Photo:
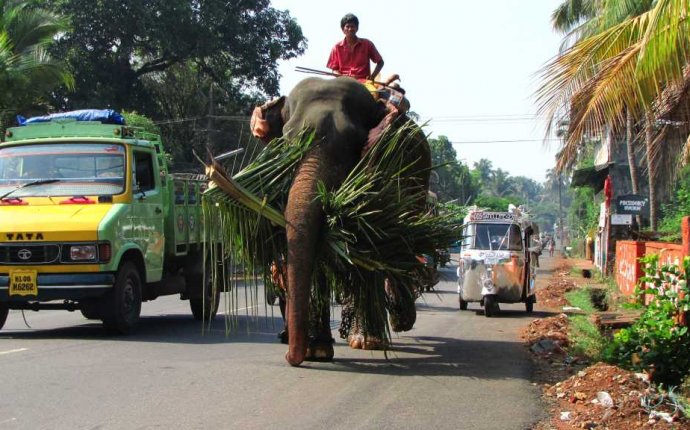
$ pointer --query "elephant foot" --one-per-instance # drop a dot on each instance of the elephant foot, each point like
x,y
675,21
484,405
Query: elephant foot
x,y
320,352
360,341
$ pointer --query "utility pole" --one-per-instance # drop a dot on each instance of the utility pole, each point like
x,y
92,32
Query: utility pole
x,y
560,211
209,119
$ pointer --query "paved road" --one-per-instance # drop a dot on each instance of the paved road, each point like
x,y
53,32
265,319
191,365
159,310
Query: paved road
x,y
454,370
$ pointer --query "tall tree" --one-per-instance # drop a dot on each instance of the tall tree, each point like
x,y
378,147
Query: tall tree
x,y
483,172
454,179
27,72
635,50
528,190
501,184
112,45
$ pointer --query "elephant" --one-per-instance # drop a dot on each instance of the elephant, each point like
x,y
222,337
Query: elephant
x,y
341,113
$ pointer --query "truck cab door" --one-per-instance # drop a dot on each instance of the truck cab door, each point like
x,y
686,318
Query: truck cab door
x,y
148,212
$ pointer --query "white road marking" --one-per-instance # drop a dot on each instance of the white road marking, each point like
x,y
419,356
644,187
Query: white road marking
x,y
12,351
234,311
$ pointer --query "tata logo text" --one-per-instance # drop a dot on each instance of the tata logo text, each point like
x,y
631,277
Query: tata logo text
x,y
23,236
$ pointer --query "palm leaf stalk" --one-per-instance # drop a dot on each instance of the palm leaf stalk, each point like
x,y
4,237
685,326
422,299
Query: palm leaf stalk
x,y
376,225
244,216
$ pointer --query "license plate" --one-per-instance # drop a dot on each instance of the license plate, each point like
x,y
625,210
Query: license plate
x,y
23,283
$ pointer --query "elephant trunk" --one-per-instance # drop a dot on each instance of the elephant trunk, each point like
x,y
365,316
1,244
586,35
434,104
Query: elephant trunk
x,y
304,218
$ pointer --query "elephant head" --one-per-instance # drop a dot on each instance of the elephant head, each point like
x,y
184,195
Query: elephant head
x,y
340,112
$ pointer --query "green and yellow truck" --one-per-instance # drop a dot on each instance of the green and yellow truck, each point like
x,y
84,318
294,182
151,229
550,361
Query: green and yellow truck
x,y
92,220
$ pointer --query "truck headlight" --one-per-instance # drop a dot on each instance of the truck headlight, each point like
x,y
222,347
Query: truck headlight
x,y
83,253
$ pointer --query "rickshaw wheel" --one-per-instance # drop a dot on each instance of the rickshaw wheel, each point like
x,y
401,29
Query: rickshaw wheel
x,y
490,306
529,305
463,305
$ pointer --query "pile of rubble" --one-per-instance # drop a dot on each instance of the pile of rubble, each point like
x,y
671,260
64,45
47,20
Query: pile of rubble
x,y
553,295
605,396
547,335
600,396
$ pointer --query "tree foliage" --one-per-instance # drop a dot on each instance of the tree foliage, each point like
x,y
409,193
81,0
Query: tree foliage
x,y
27,72
451,179
632,52
112,45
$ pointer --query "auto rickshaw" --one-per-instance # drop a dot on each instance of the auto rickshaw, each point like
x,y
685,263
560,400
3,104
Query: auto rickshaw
x,y
498,260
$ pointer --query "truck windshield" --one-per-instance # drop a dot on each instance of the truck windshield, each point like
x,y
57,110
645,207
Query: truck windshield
x,y
497,237
78,169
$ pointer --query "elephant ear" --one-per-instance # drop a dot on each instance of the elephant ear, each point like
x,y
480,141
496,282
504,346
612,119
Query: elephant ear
x,y
266,121
258,124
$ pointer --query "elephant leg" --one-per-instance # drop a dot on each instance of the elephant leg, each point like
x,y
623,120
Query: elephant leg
x,y
359,339
402,313
321,341
283,335
361,336
279,276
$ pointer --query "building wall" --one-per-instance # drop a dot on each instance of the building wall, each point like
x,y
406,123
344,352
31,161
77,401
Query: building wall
x,y
628,267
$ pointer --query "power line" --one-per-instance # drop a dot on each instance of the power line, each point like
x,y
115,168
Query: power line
x,y
470,142
489,119
241,118
454,118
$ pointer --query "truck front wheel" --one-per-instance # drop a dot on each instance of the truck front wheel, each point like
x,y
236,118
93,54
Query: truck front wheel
x,y
90,310
122,305
4,310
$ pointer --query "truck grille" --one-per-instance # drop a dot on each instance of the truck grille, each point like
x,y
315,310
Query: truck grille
x,y
29,254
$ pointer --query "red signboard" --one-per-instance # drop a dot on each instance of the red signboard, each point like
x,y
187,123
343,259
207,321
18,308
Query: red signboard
x,y
628,269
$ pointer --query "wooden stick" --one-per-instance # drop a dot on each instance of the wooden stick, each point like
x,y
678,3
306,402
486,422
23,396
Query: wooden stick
x,y
325,73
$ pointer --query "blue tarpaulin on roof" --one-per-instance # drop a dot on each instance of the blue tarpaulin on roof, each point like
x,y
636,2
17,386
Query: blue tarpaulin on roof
x,y
106,116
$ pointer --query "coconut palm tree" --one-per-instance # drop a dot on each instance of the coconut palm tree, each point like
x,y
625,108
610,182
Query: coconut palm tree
x,y
27,72
622,69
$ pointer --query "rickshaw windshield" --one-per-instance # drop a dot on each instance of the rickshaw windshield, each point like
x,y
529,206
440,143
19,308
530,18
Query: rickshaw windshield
x,y
497,237
65,169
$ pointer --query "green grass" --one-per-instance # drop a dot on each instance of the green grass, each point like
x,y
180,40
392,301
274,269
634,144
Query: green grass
x,y
586,340
580,298
575,271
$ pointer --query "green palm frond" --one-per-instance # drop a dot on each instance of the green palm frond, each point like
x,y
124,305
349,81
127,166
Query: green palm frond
x,y
376,225
27,72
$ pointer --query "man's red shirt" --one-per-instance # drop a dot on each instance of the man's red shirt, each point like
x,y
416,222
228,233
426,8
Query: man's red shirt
x,y
353,62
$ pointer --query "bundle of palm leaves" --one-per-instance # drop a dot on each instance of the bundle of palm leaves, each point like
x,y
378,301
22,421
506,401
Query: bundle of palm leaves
x,y
376,226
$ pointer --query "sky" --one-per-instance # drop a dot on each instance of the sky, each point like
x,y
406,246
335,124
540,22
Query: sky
x,y
470,68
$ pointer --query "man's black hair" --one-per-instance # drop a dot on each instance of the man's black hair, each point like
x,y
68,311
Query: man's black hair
x,y
349,19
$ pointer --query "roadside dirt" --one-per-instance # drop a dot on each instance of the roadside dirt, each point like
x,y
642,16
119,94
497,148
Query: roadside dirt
x,y
581,394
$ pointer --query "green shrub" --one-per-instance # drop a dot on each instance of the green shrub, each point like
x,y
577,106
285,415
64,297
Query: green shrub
x,y
659,341
493,203
135,119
